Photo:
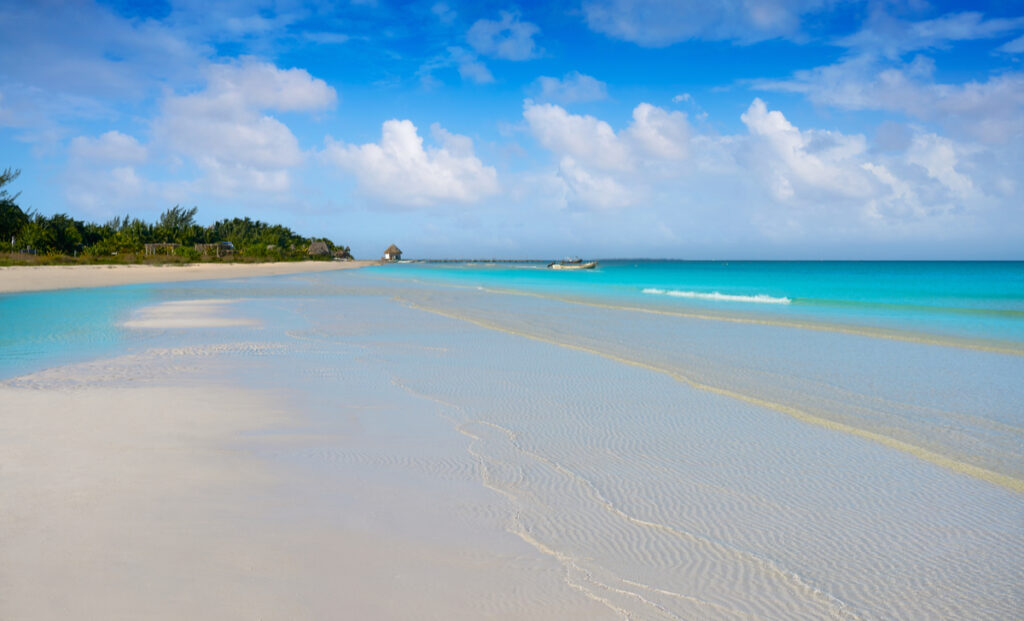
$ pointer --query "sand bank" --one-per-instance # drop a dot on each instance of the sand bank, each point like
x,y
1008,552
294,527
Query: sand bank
x,y
320,447
152,485
48,277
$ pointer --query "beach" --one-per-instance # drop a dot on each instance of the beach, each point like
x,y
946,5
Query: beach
x,y
383,444
15,279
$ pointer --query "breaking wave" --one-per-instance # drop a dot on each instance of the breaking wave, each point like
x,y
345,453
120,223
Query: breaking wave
x,y
719,297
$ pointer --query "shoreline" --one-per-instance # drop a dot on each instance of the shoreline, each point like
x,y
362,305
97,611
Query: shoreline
x,y
234,456
28,278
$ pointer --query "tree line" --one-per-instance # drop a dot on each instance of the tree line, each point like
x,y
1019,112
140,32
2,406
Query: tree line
x,y
60,234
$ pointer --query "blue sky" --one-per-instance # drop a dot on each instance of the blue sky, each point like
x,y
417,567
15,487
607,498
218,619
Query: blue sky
x,y
799,129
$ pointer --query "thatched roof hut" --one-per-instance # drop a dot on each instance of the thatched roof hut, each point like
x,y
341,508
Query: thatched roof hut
x,y
393,253
319,249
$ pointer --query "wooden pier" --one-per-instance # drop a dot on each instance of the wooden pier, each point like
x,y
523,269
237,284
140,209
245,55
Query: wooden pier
x,y
482,261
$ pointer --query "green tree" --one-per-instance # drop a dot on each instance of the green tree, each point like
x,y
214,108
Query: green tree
x,y
12,218
177,225
37,234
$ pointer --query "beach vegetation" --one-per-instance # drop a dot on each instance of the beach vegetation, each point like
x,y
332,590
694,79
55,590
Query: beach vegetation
x,y
29,237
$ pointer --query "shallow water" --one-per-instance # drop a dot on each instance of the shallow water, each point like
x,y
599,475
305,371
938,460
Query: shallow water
x,y
670,466
983,300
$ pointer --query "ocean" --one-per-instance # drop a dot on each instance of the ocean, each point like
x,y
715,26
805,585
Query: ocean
x,y
983,300
720,440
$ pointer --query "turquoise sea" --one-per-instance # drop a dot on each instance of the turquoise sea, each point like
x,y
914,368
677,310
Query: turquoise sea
x,y
983,300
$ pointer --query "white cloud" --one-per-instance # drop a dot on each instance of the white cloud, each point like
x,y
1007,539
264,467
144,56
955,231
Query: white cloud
x,y
594,190
992,111
112,146
468,64
835,181
889,36
574,87
681,97
658,133
655,134
224,131
1015,46
603,168
104,191
800,161
470,67
585,138
400,171
782,181
507,38
101,177
659,23
937,155
902,200
85,49
874,76
263,86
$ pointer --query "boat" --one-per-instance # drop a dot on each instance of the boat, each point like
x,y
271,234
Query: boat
x,y
574,263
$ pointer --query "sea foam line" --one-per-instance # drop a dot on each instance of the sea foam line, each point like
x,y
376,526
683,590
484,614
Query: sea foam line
x,y
719,297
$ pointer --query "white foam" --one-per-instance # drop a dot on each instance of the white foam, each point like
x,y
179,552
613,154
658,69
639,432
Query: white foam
x,y
719,297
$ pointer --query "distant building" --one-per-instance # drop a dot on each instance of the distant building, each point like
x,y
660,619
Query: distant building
x,y
219,249
392,253
161,248
319,249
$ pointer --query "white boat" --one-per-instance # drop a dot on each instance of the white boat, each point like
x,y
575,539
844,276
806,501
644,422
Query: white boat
x,y
573,264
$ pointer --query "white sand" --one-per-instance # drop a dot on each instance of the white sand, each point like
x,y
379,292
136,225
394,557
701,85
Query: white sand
x,y
188,314
145,487
47,277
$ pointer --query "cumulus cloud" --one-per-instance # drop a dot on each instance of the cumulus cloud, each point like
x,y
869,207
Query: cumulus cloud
x,y
839,178
654,134
584,138
506,38
112,146
598,164
658,133
399,170
659,23
224,130
575,87
937,155
794,160
595,190
786,181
